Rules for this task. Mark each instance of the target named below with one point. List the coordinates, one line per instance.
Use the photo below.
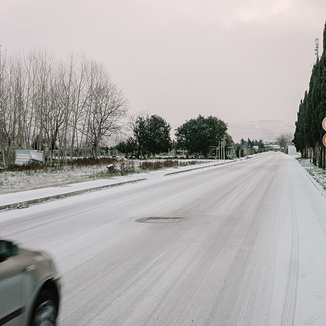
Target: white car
(29, 287)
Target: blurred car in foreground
(29, 287)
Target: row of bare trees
(64, 108)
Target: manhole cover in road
(158, 219)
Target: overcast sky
(239, 60)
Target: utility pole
(317, 48)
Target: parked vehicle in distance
(29, 286)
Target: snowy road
(239, 244)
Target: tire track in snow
(289, 310)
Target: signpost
(223, 143)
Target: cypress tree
(312, 111)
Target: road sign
(324, 123)
(324, 140)
(324, 127)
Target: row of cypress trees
(312, 110)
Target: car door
(11, 305)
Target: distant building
(272, 147)
(292, 150)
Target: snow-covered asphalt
(238, 244)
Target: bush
(92, 161)
(156, 165)
(126, 168)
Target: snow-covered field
(28, 180)
(34, 179)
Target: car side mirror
(7, 249)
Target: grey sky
(239, 60)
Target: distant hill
(266, 130)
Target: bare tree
(10, 107)
(56, 106)
(5, 132)
(285, 139)
(106, 106)
(80, 95)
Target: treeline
(71, 108)
(198, 137)
(251, 143)
(63, 108)
(312, 110)
(248, 147)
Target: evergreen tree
(300, 141)
(152, 135)
(312, 110)
(197, 135)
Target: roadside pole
(223, 144)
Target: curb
(317, 185)
(27, 203)
(201, 167)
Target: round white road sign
(324, 140)
(324, 123)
